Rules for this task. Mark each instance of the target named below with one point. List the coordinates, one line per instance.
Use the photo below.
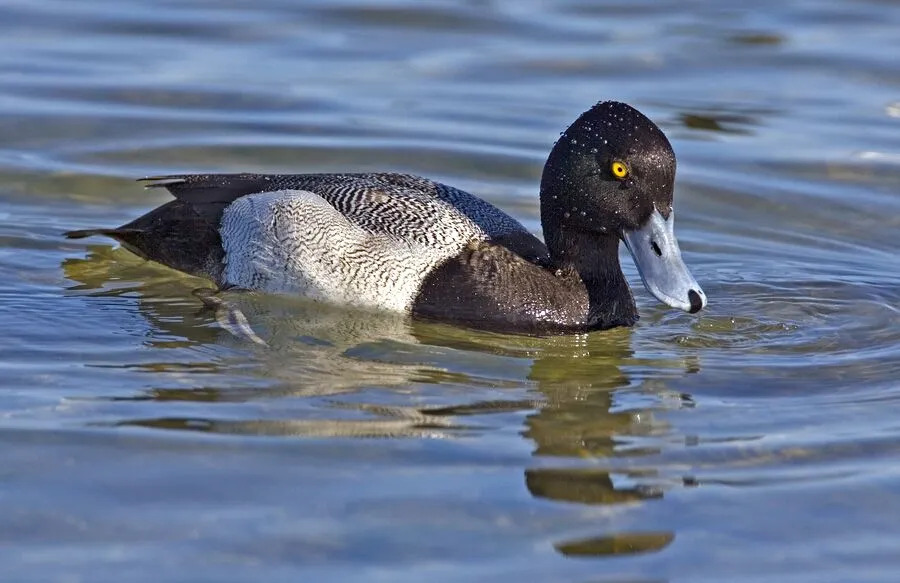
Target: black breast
(487, 286)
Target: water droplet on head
(566, 215)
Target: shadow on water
(328, 355)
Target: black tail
(114, 233)
(172, 234)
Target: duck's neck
(595, 259)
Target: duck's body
(384, 241)
(400, 242)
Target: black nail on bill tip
(696, 301)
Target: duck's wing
(209, 194)
(401, 206)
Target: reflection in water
(625, 543)
(584, 486)
(579, 421)
(726, 119)
(309, 341)
(730, 124)
(317, 351)
(411, 423)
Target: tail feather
(173, 234)
(114, 233)
(163, 181)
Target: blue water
(139, 441)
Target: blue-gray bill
(658, 258)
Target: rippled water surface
(758, 441)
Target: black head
(611, 177)
(607, 172)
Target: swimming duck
(408, 244)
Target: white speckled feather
(373, 253)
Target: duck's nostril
(696, 301)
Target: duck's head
(611, 176)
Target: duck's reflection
(624, 543)
(325, 353)
(314, 351)
(579, 421)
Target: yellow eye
(619, 169)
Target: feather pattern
(360, 240)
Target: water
(141, 442)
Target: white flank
(295, 242)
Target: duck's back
(367, 240)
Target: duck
(404, 243)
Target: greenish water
(755, 442)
